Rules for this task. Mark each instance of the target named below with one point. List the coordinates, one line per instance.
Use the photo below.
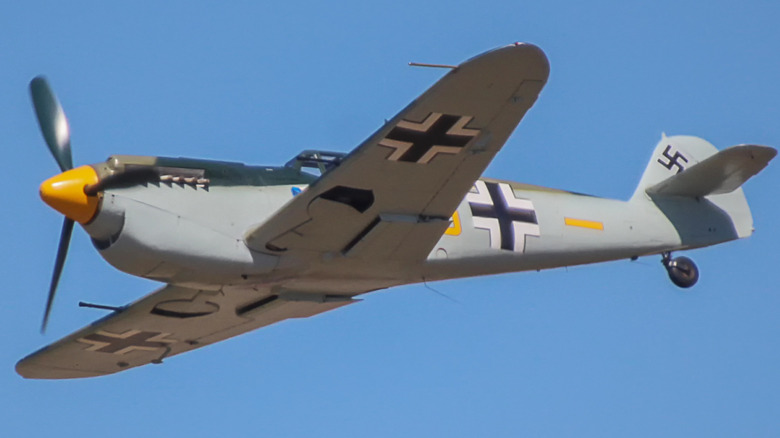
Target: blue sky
(604, 350)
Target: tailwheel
(682, 271)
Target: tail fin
(698, 188)
(672, 155)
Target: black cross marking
(673, 159)
(105, 342)
(505, 215)
(420, 141)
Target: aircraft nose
(65, 193)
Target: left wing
(167, 322)
(392, 197)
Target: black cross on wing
(421, 142)
(121, 343)
(508, 219)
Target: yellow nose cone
(65, 193)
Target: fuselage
(177, 230)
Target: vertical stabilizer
(671, 156)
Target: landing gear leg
(682, 271)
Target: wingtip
(31, 368)
(531, 50)
(761, 152)
(526, 57)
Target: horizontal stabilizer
(723, 172)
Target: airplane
(240, 247)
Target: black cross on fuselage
(423, 141)
(504, 213)
(115, 344)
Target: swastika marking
(673, 159)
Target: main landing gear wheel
(682, 271)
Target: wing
(392, 197)
(167, 322)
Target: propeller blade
(52, 120)
(62, 252)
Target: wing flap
(383, 238)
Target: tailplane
(692, 167)
(721, 173)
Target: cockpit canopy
(321, 161)
(129, 170)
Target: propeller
(52, 120)
(55, 130)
